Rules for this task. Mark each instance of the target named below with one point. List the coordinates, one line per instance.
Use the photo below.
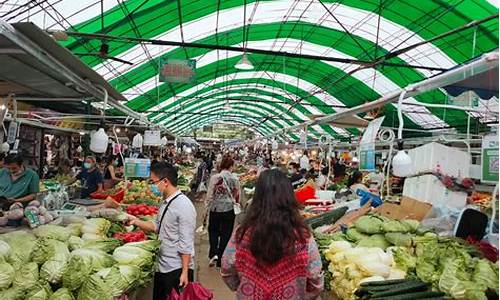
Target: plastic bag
(193, 291)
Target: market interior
(249, 149)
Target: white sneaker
(213, 261)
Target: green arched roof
(279, 91)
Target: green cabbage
(120, 278)
(94, 288)
(53, 270)
(484, 273)
(354, 235)
(21, 244)
(126, 255)
(96, 226)
(149, 245)
(49, 249)
(395, 226)
(399, 239)
(82, 263)
(404, 259)
(75, 229)
(26, 277)
(62, 294)
(53, 232)
(369, 224)
(12, 294)
(77, 270)
(39, 292)
(106, 245)
(374, 241)
(75, 242)
(5, 250)
(6, 275)
(412, 225)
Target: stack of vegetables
(74, 262)
(447, 265)
(450, 266)
(350, 266)
(139, 192)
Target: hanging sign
(137, 167)
(152, 138)
(177, 70)
(489, 159)
(367, 145)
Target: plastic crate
(435, 157)
(428, 188)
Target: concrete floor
(208, 277)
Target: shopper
(273, 253)
(2, 158)
(223, 192)
(90, 177)
(355, 182)
(201, 174)
(322, 181)
(17, 183)
(339, 170)
(111, 172)
(294, 174)
(304, 161)
(175, 226)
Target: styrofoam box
(429, 188)
(451, 161)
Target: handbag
(193, 291)
(236, 205)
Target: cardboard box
(407, 209)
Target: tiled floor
(207, 276)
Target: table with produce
(367, 255)
(80, 255)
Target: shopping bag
(193, 291)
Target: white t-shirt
(304, 162)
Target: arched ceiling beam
(215, 106)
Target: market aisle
(209, 277)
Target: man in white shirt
(175, 226)
(304, 161)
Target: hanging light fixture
(401, 163)
(244, 63)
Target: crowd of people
(270, 252)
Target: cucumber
(326, 218)
(386, 282)
(411, 296)
(415, 286)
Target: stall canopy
(311, 57)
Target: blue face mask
(155, 190)
(87, 165)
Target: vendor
(90, 177)
(295, 176)
(111, 172)
(376, 178)
(18, 183)
(355, 182)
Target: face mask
(155, 190)
(87, 165)
(115, 163)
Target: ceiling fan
(104, 48)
